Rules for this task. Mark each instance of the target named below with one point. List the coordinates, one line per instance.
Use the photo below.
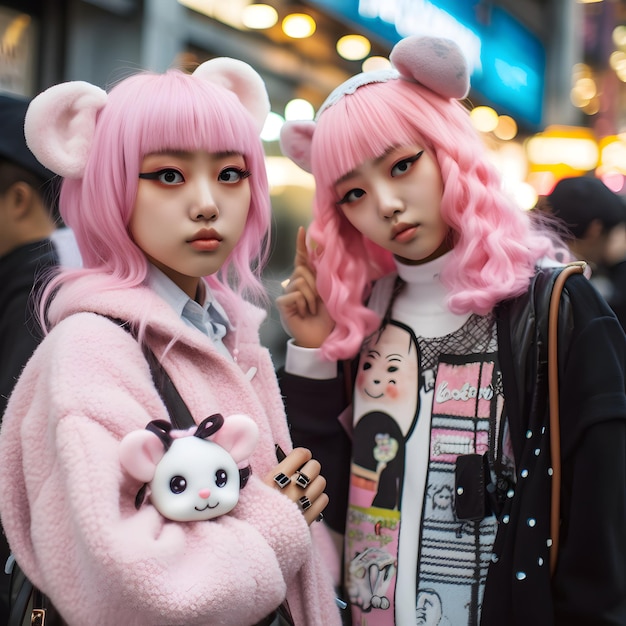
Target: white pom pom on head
(434, 62)
(242, 80)
(60, 124)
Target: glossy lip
(399, 230)
(206, 233)
(206, 239)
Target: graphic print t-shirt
(419, 404)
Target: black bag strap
(179, 413)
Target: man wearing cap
(595, 222)
(27, 221)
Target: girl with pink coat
(166, 191)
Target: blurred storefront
(531, 65)
(548, 101)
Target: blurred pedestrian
(27, 199)
(27, 221)
(594, 218)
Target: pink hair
(496, 245)
(148, 113)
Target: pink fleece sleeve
(68, 508)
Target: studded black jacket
(589, 584)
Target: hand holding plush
(189, 476)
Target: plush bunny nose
(204, 493)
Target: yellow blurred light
(619, 36)
(617, 59)
(13, 33)
(259, 16)
(299, 109)
(506, 128)
(577, 100)
(570, 146)
(586, 88)
(298, 25)
(580, 70)
(353, 47)
(484, 118)
(374, 63)
(613, 154)
(592, 107)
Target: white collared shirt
(209, 318)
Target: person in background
(165, 188)
(27, 221)
(594, 218)
(417, 368)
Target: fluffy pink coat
(68, 508)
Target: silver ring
(302, 480)
(305, 503)
(282, 480)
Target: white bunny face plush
(189, 476)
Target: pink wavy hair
(147, 113)
(496, 245)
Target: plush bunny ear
(243, 80)
(60, 124)
(295, 142)
(434, 62)
(238, 435)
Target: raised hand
(303, 314)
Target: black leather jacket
(589, 584)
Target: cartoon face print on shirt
(386, 401)
(387, 379)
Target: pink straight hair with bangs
(149, 113)
(496, 244)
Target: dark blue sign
(507, 60)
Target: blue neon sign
(507, 60)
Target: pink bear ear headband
(61, 121)
(434, 62)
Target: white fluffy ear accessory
(295, 142)
(434, 62)
(60, 124)
(243, 80)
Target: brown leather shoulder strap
(553, 386)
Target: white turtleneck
(422, 302)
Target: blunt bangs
(359, 127)
(189, 114)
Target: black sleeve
(313, 408)
(590, 580)
(617, 299)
